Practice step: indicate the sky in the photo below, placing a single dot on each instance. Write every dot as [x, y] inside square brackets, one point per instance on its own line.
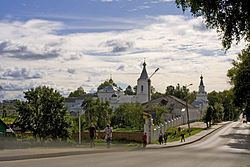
[65, 44]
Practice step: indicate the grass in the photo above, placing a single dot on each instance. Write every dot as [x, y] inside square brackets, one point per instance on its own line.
[9, 119]
[175, 135]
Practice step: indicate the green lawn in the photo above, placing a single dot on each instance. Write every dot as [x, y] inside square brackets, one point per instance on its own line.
[9, 119]
[175, 135]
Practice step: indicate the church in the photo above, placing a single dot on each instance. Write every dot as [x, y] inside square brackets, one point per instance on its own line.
[117, 97]
[114, 95]
[201, 101]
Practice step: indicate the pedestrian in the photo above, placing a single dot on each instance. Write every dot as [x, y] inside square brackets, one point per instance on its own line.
[108, 135]
[165, 137]
[144, 140]
[182, 137]
[160, 139]
[92, 134]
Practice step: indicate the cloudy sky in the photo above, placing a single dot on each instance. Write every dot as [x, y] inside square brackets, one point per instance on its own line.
[66, 44]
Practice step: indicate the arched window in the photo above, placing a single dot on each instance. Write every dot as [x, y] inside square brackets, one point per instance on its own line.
[142, 88]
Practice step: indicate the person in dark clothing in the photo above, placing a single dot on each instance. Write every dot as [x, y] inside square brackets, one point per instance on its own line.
[92, 134]
[144, 140]
[160, 138]
[182, 137]
[165, 137]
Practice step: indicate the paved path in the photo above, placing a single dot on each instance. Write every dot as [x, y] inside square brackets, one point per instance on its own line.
[34, 153]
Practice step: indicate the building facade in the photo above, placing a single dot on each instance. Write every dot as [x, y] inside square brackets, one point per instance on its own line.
[201, 101]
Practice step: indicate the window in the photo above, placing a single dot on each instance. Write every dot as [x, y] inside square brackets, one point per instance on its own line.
[142, 88]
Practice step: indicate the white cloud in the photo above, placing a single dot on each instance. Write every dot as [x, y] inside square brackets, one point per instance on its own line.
[180, 46]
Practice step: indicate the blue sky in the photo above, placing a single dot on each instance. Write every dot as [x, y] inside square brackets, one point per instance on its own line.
[70, 43]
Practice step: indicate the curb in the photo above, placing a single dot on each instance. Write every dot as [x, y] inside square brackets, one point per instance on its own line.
[183, 144]
[53, 155]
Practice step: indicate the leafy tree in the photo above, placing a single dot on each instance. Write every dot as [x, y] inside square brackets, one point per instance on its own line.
[180, 92]
[97, 112]
[231, 112]
[156, 95]
[159, 110]
[218, 113]
[77, 93]
[229, 17]
[44, 113]
[128, 114]
[212, 98]
[1, 87]
[208, 116]
[239, 76]
[129, 91]
[105, 84]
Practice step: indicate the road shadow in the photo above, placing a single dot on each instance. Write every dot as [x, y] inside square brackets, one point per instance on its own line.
[240, 141]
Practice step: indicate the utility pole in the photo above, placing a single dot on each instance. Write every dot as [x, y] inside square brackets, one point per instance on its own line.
[187, 110]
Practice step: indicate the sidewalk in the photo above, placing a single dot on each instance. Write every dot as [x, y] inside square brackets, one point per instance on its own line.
[190, 139]
[35, 153]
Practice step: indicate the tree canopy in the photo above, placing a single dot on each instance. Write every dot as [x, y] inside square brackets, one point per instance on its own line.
[229, 17]
[77, 93]
[44, 113]
[239, 76]
[97, 112]
[105, 84]
[181, 92]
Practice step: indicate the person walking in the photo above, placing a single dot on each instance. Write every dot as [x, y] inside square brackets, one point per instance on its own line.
[182, 137]
[165, 137]
[160, 139]
[144, 140]
[108, 135]
[92, 134]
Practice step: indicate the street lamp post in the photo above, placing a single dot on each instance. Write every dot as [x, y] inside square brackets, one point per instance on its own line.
[149, 83]
[187, 110]
[149, 88]
[79, 124]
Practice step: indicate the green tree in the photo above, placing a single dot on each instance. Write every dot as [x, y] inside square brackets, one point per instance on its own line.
[159, 111]
[1, 87]
[128, 114]
[239, 76]
[180, 92]
[77, 93]
[218, 113]
[212, 98]
[156, 95]
[230, 17]
[105, 84]
[44, 113]
[97, 112]
[208, 116]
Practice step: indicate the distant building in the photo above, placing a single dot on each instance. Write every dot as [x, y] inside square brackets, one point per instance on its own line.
[201, 101]
[114, 95]
[176, 107]
[73, 102]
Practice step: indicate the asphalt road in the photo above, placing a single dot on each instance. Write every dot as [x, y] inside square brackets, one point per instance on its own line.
[227, 147]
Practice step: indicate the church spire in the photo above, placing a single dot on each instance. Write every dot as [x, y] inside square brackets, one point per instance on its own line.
[201, 87]
[144, 74]
[111, 80]
[201, 82]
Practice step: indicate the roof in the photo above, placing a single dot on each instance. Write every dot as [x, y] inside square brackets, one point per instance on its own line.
[162, 100]
[109, 88]
[144, 74]
[73, 99]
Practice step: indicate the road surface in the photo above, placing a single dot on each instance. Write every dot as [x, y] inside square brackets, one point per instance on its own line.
[227, 147]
